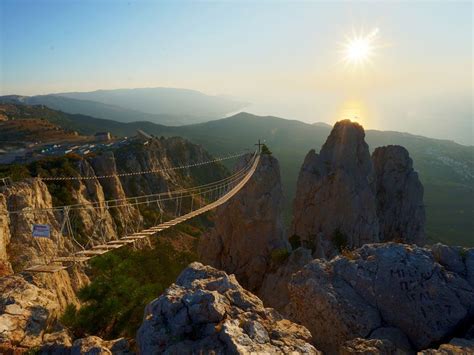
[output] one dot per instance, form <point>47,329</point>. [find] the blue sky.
<point>282,57</point>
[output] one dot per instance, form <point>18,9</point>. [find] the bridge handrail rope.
<point>224,192</point>
<point>112,203</point>
<point>151,171</point>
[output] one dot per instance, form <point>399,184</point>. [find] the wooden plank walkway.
<point>97,250</point>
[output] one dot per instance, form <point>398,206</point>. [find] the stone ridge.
<point>408,288</point>
<point>207,311</point>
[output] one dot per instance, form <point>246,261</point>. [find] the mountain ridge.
<point>171,106</point>
<point>446,168</point>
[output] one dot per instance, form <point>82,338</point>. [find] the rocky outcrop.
<point>400,208</point>
<point>25,312</point>
<point>345,198</point>
<point>5,266</point>
<point>207,311</point>
<point>34,200</point>
<point>124,215</point>
<point>274,290</point>
<point>362,346</point>
<point>456,346</point>
<point>24,250</point>
<point>61,343</point>
<point>381,285</point>
<point>248,228</point>
<point>96,346</point>
<point>334,206</point>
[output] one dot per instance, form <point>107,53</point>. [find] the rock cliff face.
<point>274,289</point>
<point>335,197</point>
<point>5,266</point>
<point>249,227</point>
<point>400,208</point>
<point>50,293</point>
<point>23,250</point>
<point>405,288</point>
<point>207,311</point>
<point>345,198</point>
<point>95,222</point>
<point>454,347</point>
<point>25,312</point>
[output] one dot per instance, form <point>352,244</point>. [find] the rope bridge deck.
<point>225,189</point>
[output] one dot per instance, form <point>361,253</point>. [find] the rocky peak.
<point>400,208</point>
<point>249,227</point>
<point>207,311</point>
<point>346,149</point>
<point>335,197</point>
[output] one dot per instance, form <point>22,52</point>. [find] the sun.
<point>359,48</point>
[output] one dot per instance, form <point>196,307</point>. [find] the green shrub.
<point>295,241</point>
<point>265,150</point>
<point>279,255</point>
<point>15,171</point>
<point>123,283</point>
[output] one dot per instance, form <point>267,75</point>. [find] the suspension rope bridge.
<point>184,203</point>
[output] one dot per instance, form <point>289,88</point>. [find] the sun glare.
<point>359,48</point>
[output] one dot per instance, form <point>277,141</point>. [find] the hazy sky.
<point>282,57</point>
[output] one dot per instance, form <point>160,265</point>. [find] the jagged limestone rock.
<point>207,311</point>
<point>395,336</point>
<point>25,311</point>
<point>24,250</point>
<point>360,346</point>
<point>93,345</point>
<point>456,346</point>
<point>274,290</point>
<point>393,284</point>
<point>248,228</point>
<point>400,208</point>
<point>335,204</point>
<point>5,266</point>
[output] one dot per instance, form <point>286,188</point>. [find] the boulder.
<point>25,312</point>
<point>57,343</point>
<point>362,346</point>
<point>249,228</point>
<point>93,345</point>
<point>207,311</point>
<point>395,336</point>
<point>389,284</point>
<point>274,290</point>
<point>450,257</point>
<point>456,346</point>
<point>335,207</point>
<point>399,195</point>
<point>329,307</point>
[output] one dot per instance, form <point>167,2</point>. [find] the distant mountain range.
<point>445,167</point>
<point>158,105</point>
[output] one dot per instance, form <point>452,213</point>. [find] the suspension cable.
<point>168,195</point>
<point>151,171</point>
